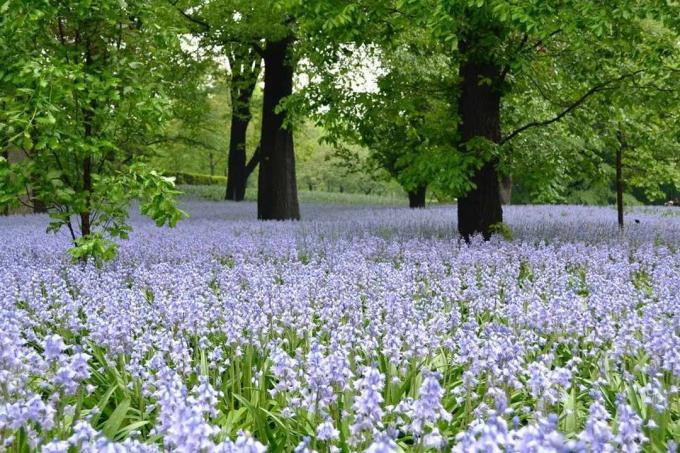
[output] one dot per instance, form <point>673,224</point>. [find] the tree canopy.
<point>464,98</point>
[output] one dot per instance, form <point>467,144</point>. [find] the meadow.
<point>360,328</point>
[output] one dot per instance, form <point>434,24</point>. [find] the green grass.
<point>216,193</point>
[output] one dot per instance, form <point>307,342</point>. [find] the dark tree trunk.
<point>506,189</point>
<point>416,198</point>
<point>245,69</point>
<point>253,162</point>
<point>4,210</point>
<point>479,110</point>
<point>39,207</point>
<point>236,169</point>
<point>85,227</point>
<point>277,189</point>
<point>88,125</point>
<point>619,180</point>
<point>480,208</point>
<point>237,173</point>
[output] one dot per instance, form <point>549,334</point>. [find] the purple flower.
<point>383,445</point>
<point>326,431</point>
<point>367,405</point>
<point>337,319</point>
<point>54,346</point>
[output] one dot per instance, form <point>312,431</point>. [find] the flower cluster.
<point>356,330</point>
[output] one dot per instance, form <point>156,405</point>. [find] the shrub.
<point>195,179</point>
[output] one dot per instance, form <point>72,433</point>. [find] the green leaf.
<point>114,422</point>
<point>103,402</point>
<point>27,143</point>
<point>571,421</point>
<point>125,431</point>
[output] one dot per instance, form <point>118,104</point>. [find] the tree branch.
<point>541,41</point>
<point>252,163</point>
<point>653,86</point>
<point>506,69</point>
<point>574,105</point>
<point>257,47</point>
<point>522,47</point>
<point>193,19</point>
<point>545,95</point>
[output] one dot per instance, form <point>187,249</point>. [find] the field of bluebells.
<point>358,329</point>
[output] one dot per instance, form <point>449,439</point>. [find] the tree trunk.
<point>619,180</point>
<point>39,207</point>
<point>416,198</point>
<point>277,189</point>
<point>479,110</point>
<point>85,228</point>
<point>88,127</point>
<point>4,210</point>
<point>506,189</point>
<point>236,169</point>
<point>237,173</point>
<point>245,66</point>
<point>211,163</point>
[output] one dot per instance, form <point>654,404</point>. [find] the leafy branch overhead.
<point>546,63</point>
<point>82,93</point>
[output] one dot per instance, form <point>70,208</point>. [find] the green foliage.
<point>195,179</point>
<point>197,139</point>
<point>503,230</point>
<point>615,65</point>
<point>83,94</point>
<point>10,185</point>
<point>578,154</point>
<point>404,122</point>
<point>318,165</point>
<point>112,194</point>
<point>320,168</point>
<point>93,246</point>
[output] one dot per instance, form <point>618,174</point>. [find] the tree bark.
<point>277,189</point>
<point>479,110</point>
<point>4,210</point>
<point>619,180</point>
<point>85,214</point>
<point>253,163</point>
<point>88,129</point>
<point>237,174</point>
<point>85,228</point>
<point>416,197</point>
<point>236,169</point>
